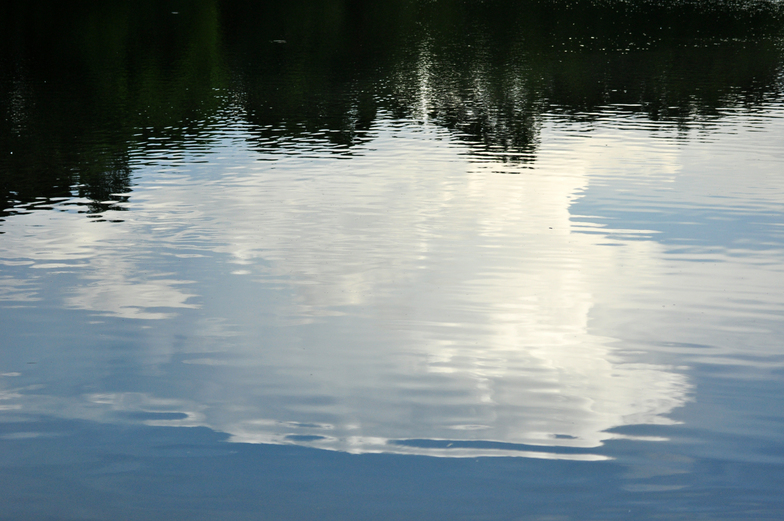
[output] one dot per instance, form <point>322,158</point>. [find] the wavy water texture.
<point>497,235</point>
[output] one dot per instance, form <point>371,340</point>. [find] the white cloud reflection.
<point>425,295</point>
<point>103,256</point>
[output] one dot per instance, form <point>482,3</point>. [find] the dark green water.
<point>392,260</point>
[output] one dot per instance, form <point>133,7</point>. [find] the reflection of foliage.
<point>669,59</point>
<point>81,80</point>
<point>83,85</point>
<point>489,69</point>
<point>307,66</point>
<point>104,182</point>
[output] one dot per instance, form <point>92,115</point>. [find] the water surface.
<point>446,260</point>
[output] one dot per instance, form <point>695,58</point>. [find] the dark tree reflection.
<point>83,87</point>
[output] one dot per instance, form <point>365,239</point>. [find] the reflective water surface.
<point>324,260</point>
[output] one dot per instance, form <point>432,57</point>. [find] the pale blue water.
<point>442,287</point>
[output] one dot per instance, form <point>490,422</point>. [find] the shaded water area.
<point>392,260</point>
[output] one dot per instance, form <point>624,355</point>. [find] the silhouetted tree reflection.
<point>83,87</point>
<point>489,70</point>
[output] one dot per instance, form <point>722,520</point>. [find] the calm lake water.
<point>400,260</point>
